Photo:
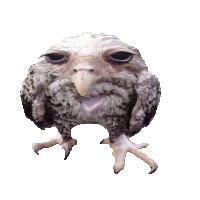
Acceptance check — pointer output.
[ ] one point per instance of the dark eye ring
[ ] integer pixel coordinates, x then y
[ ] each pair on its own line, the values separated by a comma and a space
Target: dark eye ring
120, 57
55, 58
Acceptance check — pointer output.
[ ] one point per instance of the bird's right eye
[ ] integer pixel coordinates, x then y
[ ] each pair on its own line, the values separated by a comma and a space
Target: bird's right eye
55, 58
120, 57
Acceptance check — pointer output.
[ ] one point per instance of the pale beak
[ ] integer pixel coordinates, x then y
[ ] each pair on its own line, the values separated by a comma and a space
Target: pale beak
82, 81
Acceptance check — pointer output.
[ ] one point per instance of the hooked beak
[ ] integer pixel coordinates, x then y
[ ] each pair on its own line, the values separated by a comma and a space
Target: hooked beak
82, 80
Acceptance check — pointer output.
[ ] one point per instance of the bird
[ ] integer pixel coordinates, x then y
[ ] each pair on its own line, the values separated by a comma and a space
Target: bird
92, 78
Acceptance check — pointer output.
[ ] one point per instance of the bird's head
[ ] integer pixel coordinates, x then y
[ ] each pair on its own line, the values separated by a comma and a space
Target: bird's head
89, 57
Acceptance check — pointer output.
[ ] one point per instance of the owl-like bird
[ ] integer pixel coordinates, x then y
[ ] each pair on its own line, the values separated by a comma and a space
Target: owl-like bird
92, 79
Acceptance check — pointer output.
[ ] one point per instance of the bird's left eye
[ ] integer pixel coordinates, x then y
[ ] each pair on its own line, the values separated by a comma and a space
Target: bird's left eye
120, 57
55, 58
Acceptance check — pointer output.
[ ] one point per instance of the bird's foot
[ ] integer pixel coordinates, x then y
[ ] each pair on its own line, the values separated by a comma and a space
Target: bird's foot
123, 145
66, 145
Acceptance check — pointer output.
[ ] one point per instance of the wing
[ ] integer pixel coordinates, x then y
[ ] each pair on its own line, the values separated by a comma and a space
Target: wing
148, 97
34, 101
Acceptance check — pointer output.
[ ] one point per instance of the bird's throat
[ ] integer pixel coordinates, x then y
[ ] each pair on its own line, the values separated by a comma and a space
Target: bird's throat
90, 104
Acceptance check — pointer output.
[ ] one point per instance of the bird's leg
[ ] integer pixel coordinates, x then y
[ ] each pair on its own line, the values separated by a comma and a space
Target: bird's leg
66, 145
121, 146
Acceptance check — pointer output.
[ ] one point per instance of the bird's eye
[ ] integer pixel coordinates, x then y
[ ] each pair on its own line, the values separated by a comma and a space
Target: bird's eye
120, 57
55, 58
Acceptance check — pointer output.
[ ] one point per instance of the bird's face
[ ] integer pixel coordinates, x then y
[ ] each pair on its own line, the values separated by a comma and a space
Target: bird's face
86, 58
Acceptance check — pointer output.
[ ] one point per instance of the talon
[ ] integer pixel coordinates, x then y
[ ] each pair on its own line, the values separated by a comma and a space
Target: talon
153, 169
66, 156
67, 146
105, 141
116, 171
35, 149
118, 167
67, 152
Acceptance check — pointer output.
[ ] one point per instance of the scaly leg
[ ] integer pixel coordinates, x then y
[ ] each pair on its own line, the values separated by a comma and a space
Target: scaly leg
66, 145
123, 145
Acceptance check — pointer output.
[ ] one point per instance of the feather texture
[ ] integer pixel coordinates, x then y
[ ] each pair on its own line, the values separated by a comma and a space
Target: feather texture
148, 97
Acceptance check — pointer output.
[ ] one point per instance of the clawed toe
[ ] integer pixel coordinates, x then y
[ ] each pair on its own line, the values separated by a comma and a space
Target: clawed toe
105, 141
142, 145
67, 151
67, 146
153, 169
36, 148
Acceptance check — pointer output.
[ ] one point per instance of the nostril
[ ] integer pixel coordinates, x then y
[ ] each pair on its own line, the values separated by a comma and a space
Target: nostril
91, 70
74, 70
